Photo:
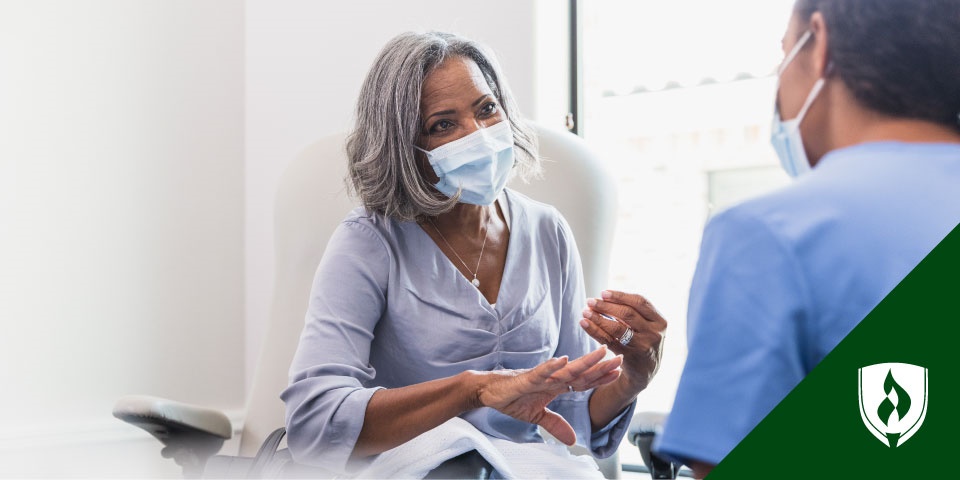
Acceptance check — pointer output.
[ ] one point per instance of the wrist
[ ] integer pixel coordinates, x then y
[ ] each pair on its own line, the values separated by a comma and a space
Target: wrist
473, 383
632, 384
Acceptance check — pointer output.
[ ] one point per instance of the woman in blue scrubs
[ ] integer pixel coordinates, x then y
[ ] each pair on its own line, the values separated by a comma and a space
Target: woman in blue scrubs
868, 122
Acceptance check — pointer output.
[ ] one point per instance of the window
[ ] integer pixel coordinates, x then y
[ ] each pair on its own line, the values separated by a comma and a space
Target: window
677, 98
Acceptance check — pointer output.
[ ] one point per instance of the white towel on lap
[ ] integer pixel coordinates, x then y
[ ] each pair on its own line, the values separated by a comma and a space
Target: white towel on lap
419, 456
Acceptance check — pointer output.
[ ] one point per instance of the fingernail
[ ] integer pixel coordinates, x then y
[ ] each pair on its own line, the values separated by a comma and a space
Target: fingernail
584, 323
592, 302
587, 313
606, 294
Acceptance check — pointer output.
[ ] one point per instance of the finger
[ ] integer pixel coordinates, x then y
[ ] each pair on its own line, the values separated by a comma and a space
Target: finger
577, 367
639, 303
604, 330
547, 369
557, 426
623, 313
611, 325
605, 379
598, 371
582, 364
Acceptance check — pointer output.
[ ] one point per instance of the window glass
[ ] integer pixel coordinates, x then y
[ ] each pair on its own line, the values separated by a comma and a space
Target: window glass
678, 99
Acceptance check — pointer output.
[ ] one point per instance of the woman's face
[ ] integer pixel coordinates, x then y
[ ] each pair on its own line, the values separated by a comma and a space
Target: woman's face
456, 101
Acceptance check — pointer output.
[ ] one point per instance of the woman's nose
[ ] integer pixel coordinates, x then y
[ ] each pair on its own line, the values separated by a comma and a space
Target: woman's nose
469, 127
472, 126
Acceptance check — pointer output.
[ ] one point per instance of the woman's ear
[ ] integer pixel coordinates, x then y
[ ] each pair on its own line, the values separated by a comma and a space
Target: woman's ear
820, 59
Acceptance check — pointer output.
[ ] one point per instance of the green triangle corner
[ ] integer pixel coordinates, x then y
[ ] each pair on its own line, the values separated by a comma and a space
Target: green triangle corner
817, 431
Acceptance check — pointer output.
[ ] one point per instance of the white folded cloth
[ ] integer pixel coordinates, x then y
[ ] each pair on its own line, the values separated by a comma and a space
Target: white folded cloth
419, 456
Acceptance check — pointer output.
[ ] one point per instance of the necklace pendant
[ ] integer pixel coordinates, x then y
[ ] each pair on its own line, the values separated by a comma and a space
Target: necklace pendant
475, 282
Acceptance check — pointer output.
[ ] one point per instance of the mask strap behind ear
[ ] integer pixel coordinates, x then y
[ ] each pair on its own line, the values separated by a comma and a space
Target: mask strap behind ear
793, 53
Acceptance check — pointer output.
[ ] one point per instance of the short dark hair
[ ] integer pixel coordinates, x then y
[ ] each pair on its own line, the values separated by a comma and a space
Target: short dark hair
898, 57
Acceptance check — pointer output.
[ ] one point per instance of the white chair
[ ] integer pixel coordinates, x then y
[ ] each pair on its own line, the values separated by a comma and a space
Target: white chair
311, 201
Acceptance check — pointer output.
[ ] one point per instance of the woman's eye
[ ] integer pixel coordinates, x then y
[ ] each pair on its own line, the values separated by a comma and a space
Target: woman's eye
489, 109
441, 126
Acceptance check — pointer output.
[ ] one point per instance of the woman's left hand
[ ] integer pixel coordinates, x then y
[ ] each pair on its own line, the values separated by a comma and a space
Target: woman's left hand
643, 349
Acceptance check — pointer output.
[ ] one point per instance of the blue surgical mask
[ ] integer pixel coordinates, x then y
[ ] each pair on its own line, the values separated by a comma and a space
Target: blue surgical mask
477, 165
785, 134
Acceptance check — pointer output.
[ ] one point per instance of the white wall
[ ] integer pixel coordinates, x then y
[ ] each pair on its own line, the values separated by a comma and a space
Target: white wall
121, 224
140, 146
305, 63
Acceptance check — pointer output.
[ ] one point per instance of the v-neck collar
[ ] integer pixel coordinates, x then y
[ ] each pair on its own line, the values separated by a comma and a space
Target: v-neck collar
511, 219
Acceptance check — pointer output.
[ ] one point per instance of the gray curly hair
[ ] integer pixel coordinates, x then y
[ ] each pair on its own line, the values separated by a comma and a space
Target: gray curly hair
381, 159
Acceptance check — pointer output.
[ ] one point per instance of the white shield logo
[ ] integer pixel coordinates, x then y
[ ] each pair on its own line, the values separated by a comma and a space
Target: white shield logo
893, 400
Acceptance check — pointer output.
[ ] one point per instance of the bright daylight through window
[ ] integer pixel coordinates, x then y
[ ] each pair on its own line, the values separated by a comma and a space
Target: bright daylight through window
678, 99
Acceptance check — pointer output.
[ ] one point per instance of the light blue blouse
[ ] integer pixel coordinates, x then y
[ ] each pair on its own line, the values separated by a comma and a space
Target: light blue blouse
388, 309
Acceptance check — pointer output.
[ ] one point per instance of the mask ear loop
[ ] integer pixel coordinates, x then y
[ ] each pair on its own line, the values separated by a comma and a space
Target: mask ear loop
793, 52
810, 98
785, 63
815, 92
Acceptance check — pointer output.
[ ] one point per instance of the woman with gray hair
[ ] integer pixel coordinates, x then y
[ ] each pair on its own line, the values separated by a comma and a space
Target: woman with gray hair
446, 295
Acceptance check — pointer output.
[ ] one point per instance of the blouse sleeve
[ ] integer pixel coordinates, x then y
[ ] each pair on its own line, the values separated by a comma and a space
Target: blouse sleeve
328, 395
574, 342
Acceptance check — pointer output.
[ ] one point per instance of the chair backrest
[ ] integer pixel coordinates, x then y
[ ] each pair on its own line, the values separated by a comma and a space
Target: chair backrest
312, 200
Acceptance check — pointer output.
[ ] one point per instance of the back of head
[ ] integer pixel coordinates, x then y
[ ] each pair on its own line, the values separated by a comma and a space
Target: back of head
898, 57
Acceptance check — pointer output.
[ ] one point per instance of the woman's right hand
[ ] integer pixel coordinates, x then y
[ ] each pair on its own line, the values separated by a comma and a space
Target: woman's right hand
525, 394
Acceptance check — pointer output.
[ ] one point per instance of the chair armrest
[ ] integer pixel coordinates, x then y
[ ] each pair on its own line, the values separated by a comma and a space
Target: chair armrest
644, 427
190, 434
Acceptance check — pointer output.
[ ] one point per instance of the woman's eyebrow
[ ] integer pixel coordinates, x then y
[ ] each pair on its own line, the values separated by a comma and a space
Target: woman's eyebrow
442, 112
450, 112
481, 99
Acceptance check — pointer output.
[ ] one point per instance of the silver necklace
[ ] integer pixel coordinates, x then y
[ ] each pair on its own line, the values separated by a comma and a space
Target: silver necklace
475, 281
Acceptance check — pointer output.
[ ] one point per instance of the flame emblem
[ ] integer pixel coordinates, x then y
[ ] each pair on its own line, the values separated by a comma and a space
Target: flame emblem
893, 400
888, 407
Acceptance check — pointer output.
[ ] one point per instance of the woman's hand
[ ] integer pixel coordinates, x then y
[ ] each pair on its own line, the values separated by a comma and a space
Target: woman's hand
642, 353
524, 394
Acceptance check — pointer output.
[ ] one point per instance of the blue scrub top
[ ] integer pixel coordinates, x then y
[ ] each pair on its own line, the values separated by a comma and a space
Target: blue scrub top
782, 279
388, 309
